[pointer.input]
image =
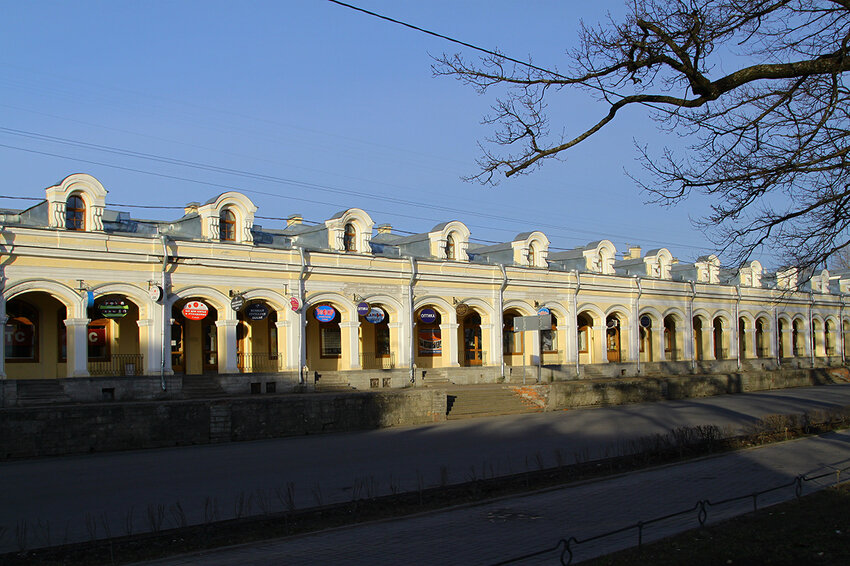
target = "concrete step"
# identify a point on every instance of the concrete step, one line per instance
(41, 392)
(331, 381)
(201, 387)
(474, 402)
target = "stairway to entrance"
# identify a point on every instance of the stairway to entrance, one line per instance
(201, 387)
(487, 400)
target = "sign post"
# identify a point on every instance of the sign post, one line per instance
(536, 323)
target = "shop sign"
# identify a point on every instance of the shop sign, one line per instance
(462, 309)
(195, 310)
(19, 334)
(155, 293)
(237, 302)
(113, 308)
(363, 309)
(542, 311)
(428, 316)
(376, 315)
(645, 321)
(257, 311)
(325, 313)
(97, 335)
(295, 303)
(89, 299)
(430, 342)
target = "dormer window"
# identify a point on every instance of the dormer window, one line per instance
(227, 226)
(75, 213)
(532, 252)
(450, 247)
(349, 238)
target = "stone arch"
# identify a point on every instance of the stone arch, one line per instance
(139, 296)
(447, 311)
(219, 300)
(522, 306)
(348, 310)
(69, 297)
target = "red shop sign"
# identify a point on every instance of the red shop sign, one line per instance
(195, 310)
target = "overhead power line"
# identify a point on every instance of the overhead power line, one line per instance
(447, 38)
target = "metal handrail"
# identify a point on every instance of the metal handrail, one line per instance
(118, 365)
(260, 362)
(701, 507)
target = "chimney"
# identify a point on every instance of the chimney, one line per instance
(294, 220)
(633, 253)
(384, 229)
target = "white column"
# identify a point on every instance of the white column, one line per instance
(78, 347)
(351, 339)
(149, 345)
(750, 340)
(449, 345)
(600, 342)
(658, 353)
(226, 338)
(561, 344)
(494, 353)
(285, 347)
(402, 355)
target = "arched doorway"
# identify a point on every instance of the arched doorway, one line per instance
(584, 325)
(429, 338)
(612, 338)
(473, 352)
(256, 338)
(194, 337)
(513, 343)
(324, 337)
(797, 339)
(699, 352)
(35, 337)
(672, 348)
(743, 350)
(720, 350)
(762, 344)
(375, 345)
(113, 337)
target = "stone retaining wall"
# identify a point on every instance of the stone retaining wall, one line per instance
(103, 427)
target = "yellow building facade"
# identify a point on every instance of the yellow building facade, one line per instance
(90, 293)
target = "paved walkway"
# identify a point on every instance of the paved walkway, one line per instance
(510, 527)
(68, 493)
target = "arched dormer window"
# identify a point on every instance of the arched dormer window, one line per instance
(75, 213)
(349, 238)
(451, 249)
(227, 226)
(532, 254)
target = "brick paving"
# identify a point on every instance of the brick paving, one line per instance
(490, 532)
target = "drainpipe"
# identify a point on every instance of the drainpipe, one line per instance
(501, 315)
(738, 323)
(812, 338)
(693, 348)
(412, 321)
(302, 339)
(575, 315)
(165, 315)
(841, 330)
(778, 335)
(637, 320)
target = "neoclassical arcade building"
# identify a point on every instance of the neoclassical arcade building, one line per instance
(94, 294)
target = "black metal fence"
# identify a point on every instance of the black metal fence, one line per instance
(117, 365)
(700, 509)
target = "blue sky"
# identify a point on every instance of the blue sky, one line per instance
(311, 108)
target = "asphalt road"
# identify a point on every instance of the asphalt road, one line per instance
(72, 498)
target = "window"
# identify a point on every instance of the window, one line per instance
(75, 213)
(512, 338)
(382, 340)
(531, 253)
(21, 332)
(227, 226)
(330, 338)
(349, 238)
(549, 337)
(450, 247)
(97, 335)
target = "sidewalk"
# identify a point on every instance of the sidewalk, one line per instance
(514, 526)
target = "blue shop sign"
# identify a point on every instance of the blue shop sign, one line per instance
(325, 313)
(375, 315)
(428, 316)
